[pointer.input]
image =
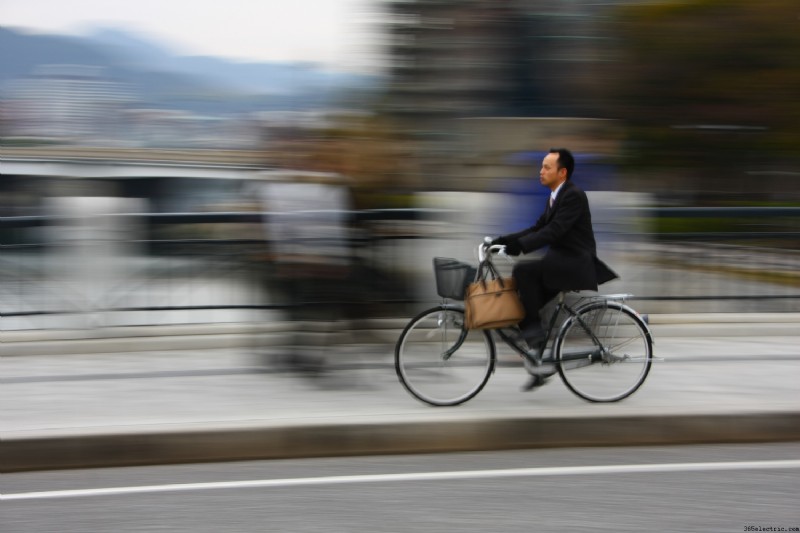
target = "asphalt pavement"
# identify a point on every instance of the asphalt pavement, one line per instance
(719, 488)
(160, 395)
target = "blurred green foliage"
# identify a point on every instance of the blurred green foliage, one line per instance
(710, 84)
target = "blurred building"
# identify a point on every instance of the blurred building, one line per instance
(67, 103)
(84, 105)
(463, 59)
(494, 58)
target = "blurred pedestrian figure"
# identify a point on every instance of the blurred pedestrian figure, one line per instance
(571, 261)
(308, 229)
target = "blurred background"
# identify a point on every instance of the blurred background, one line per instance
(171, 163)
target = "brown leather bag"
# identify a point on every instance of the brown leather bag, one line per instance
(492, 301)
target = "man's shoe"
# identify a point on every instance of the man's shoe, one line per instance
(535, 381)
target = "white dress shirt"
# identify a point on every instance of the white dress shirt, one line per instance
(554, 193)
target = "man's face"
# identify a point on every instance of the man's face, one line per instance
(550, 175)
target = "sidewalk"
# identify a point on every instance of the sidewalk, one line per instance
(224, 396)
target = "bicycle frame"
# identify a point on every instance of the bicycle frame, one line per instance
(462, 336)
(535, 356)
(437, 362)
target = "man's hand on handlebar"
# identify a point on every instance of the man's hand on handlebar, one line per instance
(512, 245)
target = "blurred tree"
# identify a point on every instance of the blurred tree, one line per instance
(368, 149)
(709, 84)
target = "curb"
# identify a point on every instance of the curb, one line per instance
(151, 447)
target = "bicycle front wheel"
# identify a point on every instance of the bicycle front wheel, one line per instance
(441, 363)
(604, 353)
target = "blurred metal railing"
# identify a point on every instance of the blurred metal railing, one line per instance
(739, 216)
(221, 267)
(177, 267)
(719, 259)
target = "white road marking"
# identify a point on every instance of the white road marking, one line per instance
(416, 476)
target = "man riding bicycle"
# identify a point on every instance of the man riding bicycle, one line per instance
(570, 263)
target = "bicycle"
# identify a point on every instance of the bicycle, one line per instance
(602, 348)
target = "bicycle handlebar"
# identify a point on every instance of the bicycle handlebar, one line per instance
(486, 249)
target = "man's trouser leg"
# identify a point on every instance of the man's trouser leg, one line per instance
(534, 295)
(532, 291)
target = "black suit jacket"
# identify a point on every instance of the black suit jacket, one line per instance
(571, 262)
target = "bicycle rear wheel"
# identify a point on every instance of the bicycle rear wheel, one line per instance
(441, 363)
(604, 353)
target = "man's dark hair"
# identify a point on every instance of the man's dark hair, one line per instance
(565, 160)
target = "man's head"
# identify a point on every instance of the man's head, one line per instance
(557, 168)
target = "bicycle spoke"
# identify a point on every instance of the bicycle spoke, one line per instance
(439, 363)
(624, 357)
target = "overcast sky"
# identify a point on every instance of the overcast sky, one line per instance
(333, 32)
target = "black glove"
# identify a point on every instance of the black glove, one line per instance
(511, 244)
(513, 247)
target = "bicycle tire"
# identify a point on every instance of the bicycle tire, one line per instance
(615, 368)
(439, 362)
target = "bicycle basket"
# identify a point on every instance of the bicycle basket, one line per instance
(452, 277)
